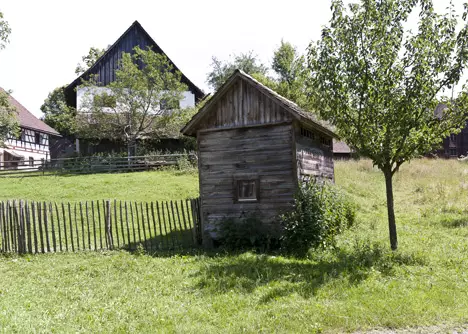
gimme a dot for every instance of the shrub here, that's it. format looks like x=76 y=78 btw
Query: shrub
x=320 y=213
x=248 y=233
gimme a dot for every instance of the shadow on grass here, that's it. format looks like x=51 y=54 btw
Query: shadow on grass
x=458 y=222
x=283 y=276
x=173 y=243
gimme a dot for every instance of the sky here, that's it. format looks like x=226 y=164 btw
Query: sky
x=49 y=37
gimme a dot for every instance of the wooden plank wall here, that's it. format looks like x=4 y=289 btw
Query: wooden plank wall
x=314 y=160
x=244 y=105
x=265 y=152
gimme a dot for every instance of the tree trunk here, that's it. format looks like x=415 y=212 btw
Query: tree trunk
x=391 y=210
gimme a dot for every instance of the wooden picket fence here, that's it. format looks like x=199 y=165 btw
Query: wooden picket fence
x=44 y=227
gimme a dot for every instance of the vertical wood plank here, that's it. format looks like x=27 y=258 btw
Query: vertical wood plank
x=154 y=225
x=28 y=227
x=39 y=222
x=75 y=214
x=129 y=243
x=2 y=235
x=138 y=222
x=46 y=226
x=99 y=223
x=58 y=226
x=109 y=224
x=150 y=240
x=133 y=225
x=21 y=238
x=82 y=227
x=181 y=230
x=33 y=214
x=171 y=230
x=51 y=214
x=94 y=226
x=116 y=226
x=121 y=222
x=65 y=229
x=162 y=222
x=143 y=225
x=88 y=225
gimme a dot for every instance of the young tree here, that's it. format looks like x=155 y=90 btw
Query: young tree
x=380 y=84
x=87 y=61
x=136 y=104
x=8 y=120
x=292 y=74
x=57 y=113
x=221 y=71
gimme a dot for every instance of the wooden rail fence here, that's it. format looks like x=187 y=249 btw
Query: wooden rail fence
x=44 y=227
x=91 y=165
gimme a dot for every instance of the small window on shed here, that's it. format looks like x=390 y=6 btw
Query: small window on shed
x=246 y=190
x=325 y=141
x=307 y=133
x=453 y=152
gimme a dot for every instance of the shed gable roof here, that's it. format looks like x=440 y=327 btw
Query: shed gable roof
x=290 y=107
x=134 y=36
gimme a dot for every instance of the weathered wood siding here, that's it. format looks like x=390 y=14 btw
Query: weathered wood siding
x=225 y=155
x=244 y=105
x=314 y=159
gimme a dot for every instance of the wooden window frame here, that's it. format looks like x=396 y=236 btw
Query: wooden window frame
x=246 y=177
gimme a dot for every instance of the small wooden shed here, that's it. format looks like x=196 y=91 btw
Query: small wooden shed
x=254 y=148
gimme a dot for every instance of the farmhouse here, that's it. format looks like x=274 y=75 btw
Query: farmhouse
x=103 y=71
x=32 y=144
x=255 y=148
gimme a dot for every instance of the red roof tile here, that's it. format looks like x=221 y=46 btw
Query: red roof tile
x=28 y=120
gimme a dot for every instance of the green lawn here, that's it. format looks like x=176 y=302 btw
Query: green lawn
x=141 y=186
x=360 y=286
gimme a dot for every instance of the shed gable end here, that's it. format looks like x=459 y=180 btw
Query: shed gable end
x=244 y=105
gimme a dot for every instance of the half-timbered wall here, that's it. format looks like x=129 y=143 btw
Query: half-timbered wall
x=263 y=153
x=314 y=154
x=29 y=144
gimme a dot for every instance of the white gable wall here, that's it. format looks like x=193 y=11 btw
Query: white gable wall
x=85 y=93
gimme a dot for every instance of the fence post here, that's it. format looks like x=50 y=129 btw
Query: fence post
x=109 y=224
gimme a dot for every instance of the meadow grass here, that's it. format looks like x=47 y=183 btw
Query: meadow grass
x=361 y=285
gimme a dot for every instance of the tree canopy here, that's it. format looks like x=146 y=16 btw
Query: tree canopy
x=289 y=69
x=58 y=114
x=138 y=104
x=5 y=31
x=222 y=70
x=380 y=83
x=88 y=60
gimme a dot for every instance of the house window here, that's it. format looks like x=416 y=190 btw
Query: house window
x=37 y=138
x=31 y=162
x=453 y=152
x=246 y=189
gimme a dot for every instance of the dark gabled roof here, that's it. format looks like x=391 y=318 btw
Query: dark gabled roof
x=146 y=40
x=27 y=120
x=297 y=112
